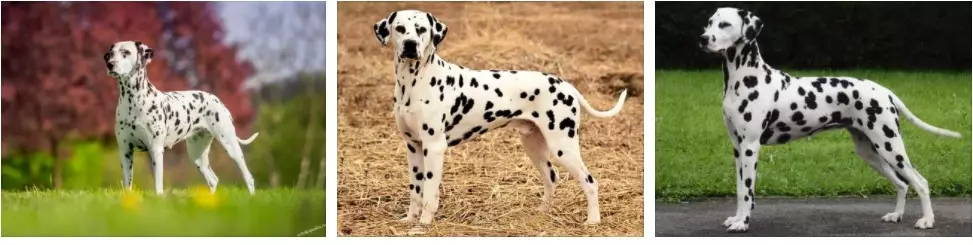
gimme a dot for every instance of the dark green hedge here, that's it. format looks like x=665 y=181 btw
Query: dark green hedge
x=832 y=35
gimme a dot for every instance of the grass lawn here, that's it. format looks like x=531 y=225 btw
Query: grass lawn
x=694 y=156
x=180 y=212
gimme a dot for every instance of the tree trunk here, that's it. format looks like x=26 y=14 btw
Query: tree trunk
x=308 y=136
x=321 y=170
x=275 y=118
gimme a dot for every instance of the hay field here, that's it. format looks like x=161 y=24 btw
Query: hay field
x=490 y=187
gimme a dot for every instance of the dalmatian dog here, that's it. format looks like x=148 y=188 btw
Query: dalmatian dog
x=150 y=120
x=438 y=104
x=765 y=106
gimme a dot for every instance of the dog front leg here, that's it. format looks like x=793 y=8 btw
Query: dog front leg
x=433 y=161
x=125 y=154
x=746 y=183
x=416 y=173
x=155 y=158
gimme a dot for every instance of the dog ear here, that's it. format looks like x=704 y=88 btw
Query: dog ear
x=751 y=26
x=145 y=53
x=382 y=29
x=439 y=30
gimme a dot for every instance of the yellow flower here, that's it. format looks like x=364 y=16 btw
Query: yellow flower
x=131 y=200
x=203 y=198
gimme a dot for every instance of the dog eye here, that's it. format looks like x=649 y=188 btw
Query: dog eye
x=127 y=53
x=421 y=30
x=400 y=29
x=724 y=25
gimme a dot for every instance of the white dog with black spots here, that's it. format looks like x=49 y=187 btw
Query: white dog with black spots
x=765 y=106
x=438 y=105
x=150 y=120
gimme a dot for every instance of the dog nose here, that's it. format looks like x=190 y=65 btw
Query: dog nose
x=409 y=49
x=703 y=40
x=111 y=65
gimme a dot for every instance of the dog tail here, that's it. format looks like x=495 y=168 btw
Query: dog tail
x=595 y=112
x=915 y=120
x=248 y=140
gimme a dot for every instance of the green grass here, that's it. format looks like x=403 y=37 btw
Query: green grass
x=180 y=212
x=694 y=155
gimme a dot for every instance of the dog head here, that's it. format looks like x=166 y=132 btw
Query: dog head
x=413 y=34
x=729 y=27
x=125 y=58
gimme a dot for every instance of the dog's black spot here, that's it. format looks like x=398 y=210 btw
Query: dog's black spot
x=750 y=81
x=810 y=101
x=765 y=136
x=550 y=117
x=743 y=106
x=888 y=131
x=843 y=98
x=753 y=96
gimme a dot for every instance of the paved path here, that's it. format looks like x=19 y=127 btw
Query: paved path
x=812 y=217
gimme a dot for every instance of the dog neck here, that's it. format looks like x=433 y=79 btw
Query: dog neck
x=742 y=64
x=134 y=87
x=406 y=74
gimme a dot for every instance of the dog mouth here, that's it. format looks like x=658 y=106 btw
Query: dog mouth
x=708 y=50
x=409 y=56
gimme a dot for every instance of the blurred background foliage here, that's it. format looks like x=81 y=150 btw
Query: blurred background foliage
x=264 y=60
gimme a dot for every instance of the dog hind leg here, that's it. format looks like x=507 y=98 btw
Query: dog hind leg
x=225 y=133
x=869 y=153
x=198 y=148
x=537 y=151
x=568 y=154
x=892 y=149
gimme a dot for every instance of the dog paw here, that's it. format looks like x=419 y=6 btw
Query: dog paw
x=544 y=208
x=591 y=221
x=408 y=219
x=738 y=227
x=925 y=223
x=892 y=217
x=731 y=220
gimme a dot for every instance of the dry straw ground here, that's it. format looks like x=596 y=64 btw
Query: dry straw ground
x=490 y=188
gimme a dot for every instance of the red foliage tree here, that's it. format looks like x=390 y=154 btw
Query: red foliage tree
x=216 y=64
x=55 y=85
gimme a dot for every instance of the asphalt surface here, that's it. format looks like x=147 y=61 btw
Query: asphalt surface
x=812 y=217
